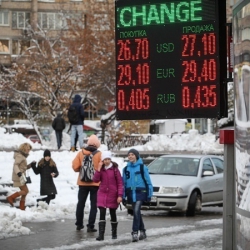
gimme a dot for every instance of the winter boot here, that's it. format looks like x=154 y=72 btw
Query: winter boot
x=142 y=235
x=22 y=205
x=73 y=149
x=114 y=229
x=102 y=224
x=134 y=236
x=11 y=198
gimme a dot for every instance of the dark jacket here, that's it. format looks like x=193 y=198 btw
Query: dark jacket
x=58 y=123
x=45 y=168
x=77 y=103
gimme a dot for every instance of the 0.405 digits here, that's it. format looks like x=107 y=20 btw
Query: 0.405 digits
x=199 y=96
x=199 y=71
x=133 y=99
x=136 y=49
x=133 y=74
x=191 y=48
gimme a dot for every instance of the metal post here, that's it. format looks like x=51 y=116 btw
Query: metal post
x=229 y=242
x=8 y=110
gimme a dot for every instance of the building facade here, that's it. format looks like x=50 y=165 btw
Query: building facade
x=17 y=16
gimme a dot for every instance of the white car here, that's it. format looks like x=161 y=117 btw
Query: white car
x=185 y=183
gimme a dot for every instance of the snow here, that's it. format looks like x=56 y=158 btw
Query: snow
x=63 y=206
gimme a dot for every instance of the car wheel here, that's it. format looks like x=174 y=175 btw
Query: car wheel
x=130 y=211
x=192 y=204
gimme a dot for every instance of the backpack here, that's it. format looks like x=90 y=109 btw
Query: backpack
x=142 y=175
x=87 y=169
x=73 y=115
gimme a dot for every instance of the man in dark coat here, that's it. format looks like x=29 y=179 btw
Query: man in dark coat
x=77 y=127
x=58 y=125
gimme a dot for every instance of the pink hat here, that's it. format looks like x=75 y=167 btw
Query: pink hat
x=93 y=141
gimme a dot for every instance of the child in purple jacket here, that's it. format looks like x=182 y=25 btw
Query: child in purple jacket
x=109 y=194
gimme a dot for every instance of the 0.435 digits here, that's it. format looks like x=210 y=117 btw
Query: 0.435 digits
x=204 y=96
x=133 y=99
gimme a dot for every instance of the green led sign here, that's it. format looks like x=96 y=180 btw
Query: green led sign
x=170 y=59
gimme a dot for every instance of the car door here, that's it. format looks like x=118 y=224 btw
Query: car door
x=209 y=184
x=219 y=169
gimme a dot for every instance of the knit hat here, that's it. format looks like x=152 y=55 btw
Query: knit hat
x=106 y=154
x=93 y=141
x=46 y=153
x=135 y=152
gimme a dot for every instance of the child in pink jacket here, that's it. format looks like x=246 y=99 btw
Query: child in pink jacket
x=109 y=194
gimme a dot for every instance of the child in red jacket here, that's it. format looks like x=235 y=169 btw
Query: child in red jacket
x=109 y=194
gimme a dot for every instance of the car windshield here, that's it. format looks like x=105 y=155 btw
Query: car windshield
x=174 y=166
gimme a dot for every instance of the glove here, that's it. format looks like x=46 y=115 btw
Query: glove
x=19 y=174
x=33 y=164
x=124 y=202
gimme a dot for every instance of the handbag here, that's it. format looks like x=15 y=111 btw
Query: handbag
x=28 y=179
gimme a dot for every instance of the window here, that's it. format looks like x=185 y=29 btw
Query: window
x=20 y=20
x=4 y=46
x=19 y=46
x=207 y=166
x=4 y=17
x=219 y=164
x=52 y=21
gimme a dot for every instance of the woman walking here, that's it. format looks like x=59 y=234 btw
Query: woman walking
x=47 y=170
x=18 y=174
x=109 y=194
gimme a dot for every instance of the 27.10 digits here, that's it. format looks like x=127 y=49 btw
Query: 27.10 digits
x=133 y=99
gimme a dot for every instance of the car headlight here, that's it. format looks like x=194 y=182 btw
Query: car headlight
x=171 y=190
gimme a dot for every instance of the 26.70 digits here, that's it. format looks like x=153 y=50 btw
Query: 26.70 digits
x=199 y=96
x=136 y=49
x=133 y=99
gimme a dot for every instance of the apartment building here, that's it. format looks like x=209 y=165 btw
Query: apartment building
x=17 y=15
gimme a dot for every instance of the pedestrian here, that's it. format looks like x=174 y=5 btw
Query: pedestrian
x=86 y=188
x=137 y=189
x=47 y=169
x=109 y=194
x=58 y=125
x=75 y=147
x=76 y=118
x=19 y=173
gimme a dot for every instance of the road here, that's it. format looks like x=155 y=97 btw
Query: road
x=165 y=231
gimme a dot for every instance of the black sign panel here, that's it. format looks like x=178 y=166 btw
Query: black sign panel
x=170 y=59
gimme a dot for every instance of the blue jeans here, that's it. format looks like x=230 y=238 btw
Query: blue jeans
x=137 y=219
x=79 y=129
x=83 y=193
